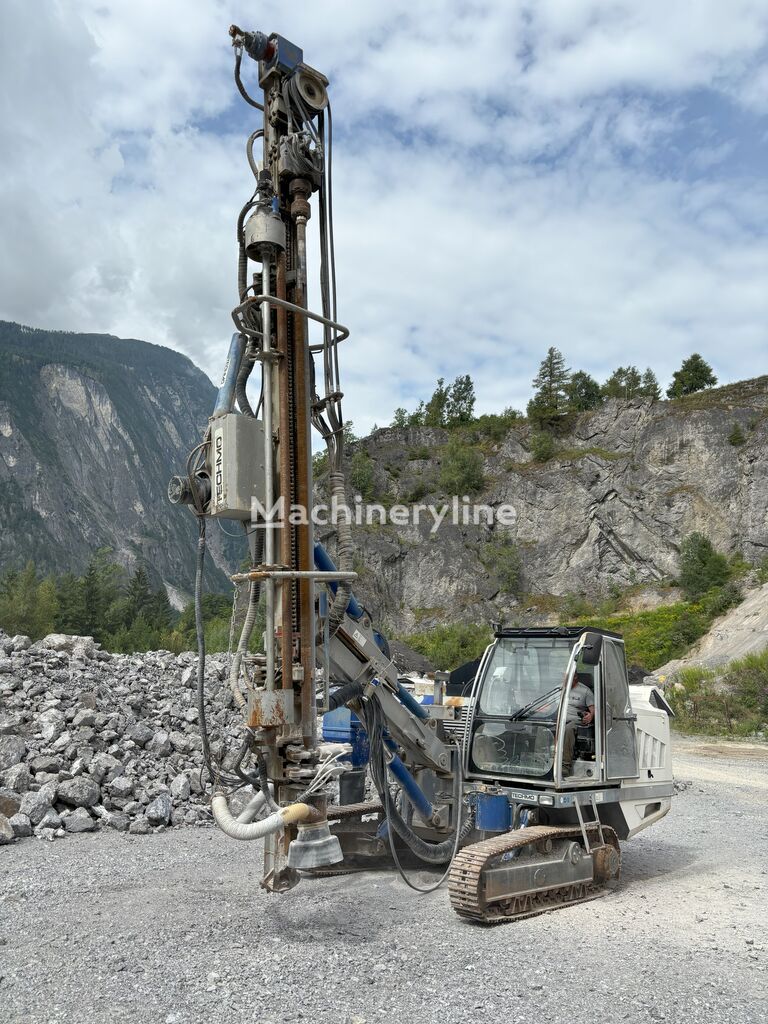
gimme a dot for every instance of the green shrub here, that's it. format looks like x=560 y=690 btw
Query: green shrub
x=448 y=647
x=361 y=472
x=502 y=560
x=543 y=446
x=461 y=469
x=733 y=701
x=736 y=436
x=701 y=567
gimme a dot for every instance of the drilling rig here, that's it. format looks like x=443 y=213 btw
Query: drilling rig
x=521 y=807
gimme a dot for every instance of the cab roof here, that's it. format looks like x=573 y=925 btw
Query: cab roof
x=565 y=632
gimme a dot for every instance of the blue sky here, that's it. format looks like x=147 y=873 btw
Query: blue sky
x=508 y=176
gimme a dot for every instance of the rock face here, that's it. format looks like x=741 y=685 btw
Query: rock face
x=631 y=481
x=107 y=764
x=91 y=429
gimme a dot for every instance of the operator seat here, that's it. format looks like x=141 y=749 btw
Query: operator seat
x=584 y=748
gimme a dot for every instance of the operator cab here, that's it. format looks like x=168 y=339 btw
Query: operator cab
x=521 y=725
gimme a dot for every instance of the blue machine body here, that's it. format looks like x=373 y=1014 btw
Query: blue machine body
x=343 y=726
x=492 y=812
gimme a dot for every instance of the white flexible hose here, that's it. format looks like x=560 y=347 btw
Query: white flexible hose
x=252 y=808
x=275 y=822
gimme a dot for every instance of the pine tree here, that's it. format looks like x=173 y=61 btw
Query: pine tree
x=694 y=375
x=626 y=383
x=139 y=593
x=400 y=418
x=461 y=401
x=550 y=400
x=27 y=605
x=650 y=385
x=434 y=412
x=583 y=392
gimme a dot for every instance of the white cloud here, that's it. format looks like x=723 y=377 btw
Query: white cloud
x=508 y=176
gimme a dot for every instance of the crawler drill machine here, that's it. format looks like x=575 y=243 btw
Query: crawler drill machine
x=482 y=791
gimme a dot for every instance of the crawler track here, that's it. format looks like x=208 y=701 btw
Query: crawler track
x=466 y=883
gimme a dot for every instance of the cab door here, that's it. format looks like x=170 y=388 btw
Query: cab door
x=618 y=719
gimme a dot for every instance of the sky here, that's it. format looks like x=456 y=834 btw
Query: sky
x=588 y=174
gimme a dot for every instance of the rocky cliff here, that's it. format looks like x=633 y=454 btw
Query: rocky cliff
x=91 y=428
x=609 y=510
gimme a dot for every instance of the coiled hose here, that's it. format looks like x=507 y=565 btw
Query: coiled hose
x=431 y=853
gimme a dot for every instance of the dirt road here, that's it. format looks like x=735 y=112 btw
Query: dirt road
x=173 y=929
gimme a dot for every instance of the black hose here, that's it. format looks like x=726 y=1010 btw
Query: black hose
x=431 y=853
x=240 y=393
x=199 y=628
x=238 y=82
x=346 y=693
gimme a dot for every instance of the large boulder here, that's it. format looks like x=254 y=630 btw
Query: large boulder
x=21 y=825
x=18 y=778
x=159 y=811
x=12 y=750
x=6 y=831
x=35 y=806
x=78 y=821
x=10 y=802
x=79 y=792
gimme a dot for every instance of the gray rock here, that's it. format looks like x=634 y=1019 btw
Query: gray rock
x=18 y=778
x=84 y=717
x=66 y=643
x=50 y=819
x=51 y=724
x=79 y=821
x=7 y=834
x=140 y=734
x=159 y=811
x=140 y=827
x=80 y=792
x=179 y=741
x=105 y=767
x=10 y=802
x=160 y=744
x=49 y=763
x=180 y=788
x=118 y=820
x=35 y=806
x=20 y=642
x=21 y=825
x=12 y=750
x=8 y=725
x=121 y=787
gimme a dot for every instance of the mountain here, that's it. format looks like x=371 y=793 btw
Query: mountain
x=628 y=481
x=91 y=429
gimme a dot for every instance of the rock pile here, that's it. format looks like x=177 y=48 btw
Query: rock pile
x=92 y=740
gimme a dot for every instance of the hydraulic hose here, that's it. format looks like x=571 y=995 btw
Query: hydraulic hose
x=276 y=822
x=200 y=630
x=345 y=551
x=241 y=395
x=344 y=694
x=254 y=592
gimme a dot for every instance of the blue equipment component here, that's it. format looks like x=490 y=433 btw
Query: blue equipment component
x=411 y=703
x=324 y=563
x=226 y=396
x=411 y=788
x=343 y=726
x=492 y=812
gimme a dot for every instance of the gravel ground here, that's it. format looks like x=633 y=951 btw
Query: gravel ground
x=173 y=929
